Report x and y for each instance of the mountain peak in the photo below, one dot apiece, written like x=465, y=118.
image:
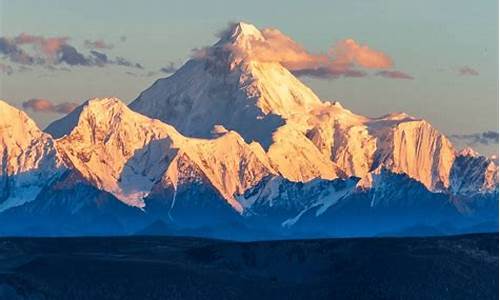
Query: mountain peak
x=105, y=110
x=224, y=85
x=29, y=157
x=118, y=150
x=468, y=151
x=8, y=110
x=106, y=102
x=63, y=126
x=242, y=30
x=105, y=107
x=16, y=122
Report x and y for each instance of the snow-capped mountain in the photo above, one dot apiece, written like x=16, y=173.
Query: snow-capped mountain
x=251, y=97
x=117, y=150
x=231, y=141
x=472, y=173
x=29, y=158
x=282, y=201
x=218, y=87
x=126, y=154
x=305, y=138
x=398, y=142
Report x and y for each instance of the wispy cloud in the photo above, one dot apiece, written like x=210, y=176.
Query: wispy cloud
x=170, y=68
x=29, y=49
x=6, y=69
x=393, y=74
x=142, y=74
x=125, y=62
x=484, y=138
x=97, y=44
x=100, y=57
x=349, y=52
x=325, y=72
x=47, y=106
x=14, y=53
x=467, y=71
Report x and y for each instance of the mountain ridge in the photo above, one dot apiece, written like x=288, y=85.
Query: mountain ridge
x=228, y=139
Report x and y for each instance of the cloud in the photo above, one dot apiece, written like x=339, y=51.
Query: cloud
x=54, y=68
x=46, y=49
x=14, y=53
x=49, y=46
x=72, y=57
x=124, y=62
x=100, y=58
x=329, y=73
x=348, y=52
x=394, y=75
x=170, y=68
x=484, y=138
x=467, y=71
x=97, y=44
x=6, y=69
x=345, y=58
x=50, y=51
x=65, y=107
x=47, y=106
x=23, y=68
x=142, y=74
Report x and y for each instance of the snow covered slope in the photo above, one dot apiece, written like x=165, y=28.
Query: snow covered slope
x=398, y=142
x=117, y=150
x=304, y=137
x=251, y=97
x=472, y=173
x=29, y=159
x=230, y=138
x=126, y=154
x=218, y=87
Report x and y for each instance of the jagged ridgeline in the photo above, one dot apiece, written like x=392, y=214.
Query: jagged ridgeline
x=235, y=147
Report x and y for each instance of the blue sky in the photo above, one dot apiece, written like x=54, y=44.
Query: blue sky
x=433, y=41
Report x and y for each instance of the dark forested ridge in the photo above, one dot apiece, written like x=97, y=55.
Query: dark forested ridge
x=140, y=267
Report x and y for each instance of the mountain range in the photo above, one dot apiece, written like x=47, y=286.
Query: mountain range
x=234, y=147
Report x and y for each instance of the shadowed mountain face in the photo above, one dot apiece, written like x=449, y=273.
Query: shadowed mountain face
x=458, y=267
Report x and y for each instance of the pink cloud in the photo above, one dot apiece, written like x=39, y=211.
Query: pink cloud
x=49, y=46
x=348, y=52
x=341, y=59
x=47, y=106
x=345, y=58
x=281, y=48
x=51, y=51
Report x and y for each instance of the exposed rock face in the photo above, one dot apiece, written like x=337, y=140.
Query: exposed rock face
x=472, y=173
